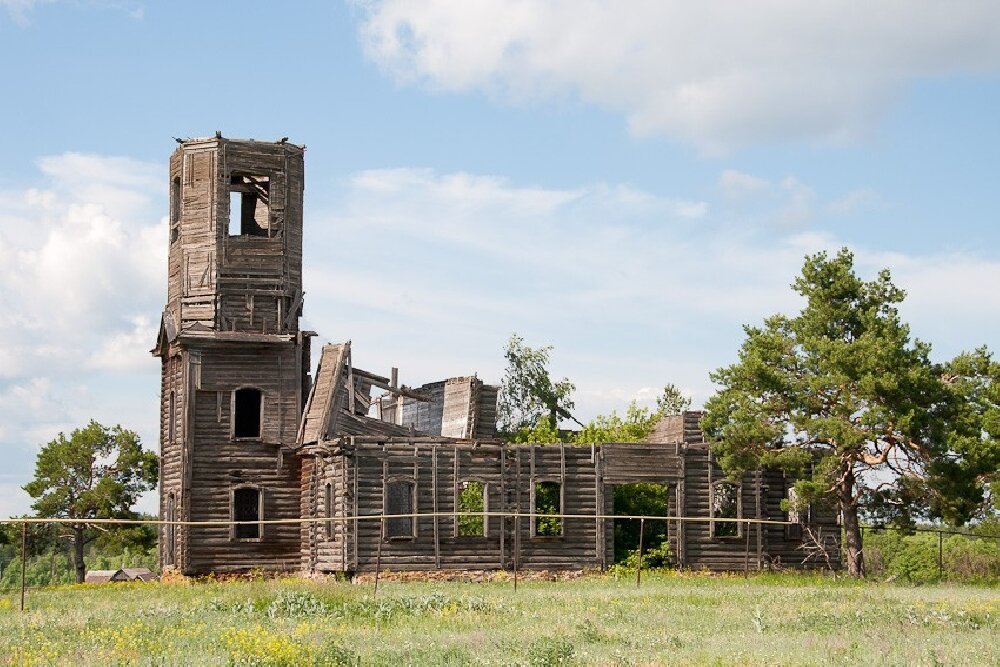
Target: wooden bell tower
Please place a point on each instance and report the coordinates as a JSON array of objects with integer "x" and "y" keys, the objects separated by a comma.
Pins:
[{"x": 234, "y": 363}]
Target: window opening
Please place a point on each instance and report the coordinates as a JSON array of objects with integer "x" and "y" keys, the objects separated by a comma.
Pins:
[
  {"x": 171, "y": 418},
  {"x": 175, "y": 209},
  {"x": 472, "y": 498},
  {"x": 548, "y": 501},
  {"x": 799, "y": 513},
  {"x": 246, "y": 413},
  {"x": 399, "y": 499},
  {"x": 246, "y": 507},
  {"x": 725, "y": 505},
  {"x": 642, "y": 499},
  {"x": 328, "y": 510},
  {"x": 249, "y": 205}
]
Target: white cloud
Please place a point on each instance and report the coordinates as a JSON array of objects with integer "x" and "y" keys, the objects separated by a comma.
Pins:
[
  {"x": 736, "y": 184},
  {"x": 82, "y": 266},
  {"x": 719, "y": 74},
  {"x": 631, "y": 293},
  {"x": 20, "y": 10},
  {"x": 855, "y": 201}
]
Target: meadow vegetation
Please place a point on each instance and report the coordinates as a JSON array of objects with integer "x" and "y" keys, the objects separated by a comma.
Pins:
[{"x": 676, "y": 618}]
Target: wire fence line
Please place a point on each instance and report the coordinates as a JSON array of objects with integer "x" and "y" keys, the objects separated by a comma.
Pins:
[
  {"x": 26, "y": 522},
  {"x": 380, "y": 517}
]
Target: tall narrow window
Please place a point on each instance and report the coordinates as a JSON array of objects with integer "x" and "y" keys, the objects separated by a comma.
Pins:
[
  {"x": 547, "y": 503},
  {"x": 725, "y": 504},
  {"x": 400, "y": 499},
  {"x": 328, "y": 509},
  {"x": 246, "y": 413},
  {"x": 247, "y": 510},
  {"x": 175, "y": 209},
  {"x": 171, "y": 417},
  {"x": 472, "y": 497},
  {"x": 168, "y": 530}
]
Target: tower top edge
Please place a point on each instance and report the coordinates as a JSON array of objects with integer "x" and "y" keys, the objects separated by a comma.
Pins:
[{"x": 219, "y": 140}]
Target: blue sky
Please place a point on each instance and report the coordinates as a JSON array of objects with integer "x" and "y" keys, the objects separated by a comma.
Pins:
[{"x": 629, "y": 187}]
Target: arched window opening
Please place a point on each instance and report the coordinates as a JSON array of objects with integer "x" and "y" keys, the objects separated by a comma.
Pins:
[
  {"x": 725, "y": 504},
  {"x": 246, "y": 413},
  {"x": 472, "y": 497},
  {"x": 248, "y": 510},
  {"x": 400, "y": 498}
]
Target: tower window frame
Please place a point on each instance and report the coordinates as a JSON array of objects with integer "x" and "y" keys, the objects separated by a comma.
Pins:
[
  {"x": 250, "y": 205},
  {"x": 172, "y": 417},
  {"x": 242, "y": 413},
  {"x": 246, "y": 504}
]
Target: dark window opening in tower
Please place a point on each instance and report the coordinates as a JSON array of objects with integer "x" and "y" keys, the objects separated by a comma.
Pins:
[
  {"x": 249, "y": 205},
  {"x": 175, "y": 209},
  {"x": 246, "y": 413},
  {"x": 246, "y": 507}
]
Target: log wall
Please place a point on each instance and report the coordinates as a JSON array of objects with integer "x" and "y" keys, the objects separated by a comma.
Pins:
[
  {"x": 358, "y": 474},
  {"x": 234, "y": 298}
]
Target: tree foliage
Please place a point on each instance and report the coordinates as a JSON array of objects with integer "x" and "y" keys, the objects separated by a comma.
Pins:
[
  {"x": 841, "y": 394},
  {"x": 95, "y": 473},
  {"x": 527, "y": 391}
]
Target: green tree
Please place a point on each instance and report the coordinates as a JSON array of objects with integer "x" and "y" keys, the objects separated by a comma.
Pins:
[
  {"x": 96, "y": 473},
  {"x": 838, "y": 392},
  {"x": 961, "y": 482},
  {"x": 672, "y": 402},
  {"x": 527, "y": 393}
]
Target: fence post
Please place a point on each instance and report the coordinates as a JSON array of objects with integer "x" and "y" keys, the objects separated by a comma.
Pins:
[
  {"x": 940, "y": 554},
  {"x": 517, "y": 545},
  {"x": 378, "y": 556},
  {"x": 24, "y": 558},
  {"x": 638, "y": 562},
  {"x": 746, "y": 552}
]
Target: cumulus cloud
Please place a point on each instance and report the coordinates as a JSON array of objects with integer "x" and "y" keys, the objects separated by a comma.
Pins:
[
  {"x": 719, "y": 74},
  {"x": 736, "y": 184},
  {"x": 82, "y": 266},
  {"x": 20, "y": 10},
  {"x": 632, "y": 293}
]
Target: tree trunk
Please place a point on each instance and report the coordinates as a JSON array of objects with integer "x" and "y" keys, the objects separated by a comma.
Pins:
[
  {"x": 81, "y": 568},
  {"x": 852, "y": 527}
]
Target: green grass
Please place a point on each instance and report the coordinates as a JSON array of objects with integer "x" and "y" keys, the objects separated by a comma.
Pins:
[{"x": 672, "y": 619}]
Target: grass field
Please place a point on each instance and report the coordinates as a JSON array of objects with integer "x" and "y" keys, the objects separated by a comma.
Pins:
[{"x": 673, "y": 619}]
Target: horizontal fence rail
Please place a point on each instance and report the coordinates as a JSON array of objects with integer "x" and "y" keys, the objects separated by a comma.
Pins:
[{"x": 25, "y": 522}]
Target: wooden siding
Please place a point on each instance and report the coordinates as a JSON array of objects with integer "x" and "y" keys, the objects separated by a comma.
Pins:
[
  {"x": 231, "y": 322},
  {"x": 358, "y": 473}
]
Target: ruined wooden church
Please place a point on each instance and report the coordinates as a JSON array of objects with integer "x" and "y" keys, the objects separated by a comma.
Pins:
[{"x": 248, "y": 435}]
